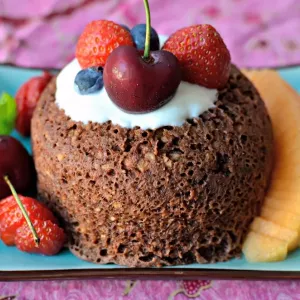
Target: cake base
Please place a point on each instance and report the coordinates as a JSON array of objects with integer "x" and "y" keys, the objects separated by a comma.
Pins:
[{"x": 171, "y": 196}]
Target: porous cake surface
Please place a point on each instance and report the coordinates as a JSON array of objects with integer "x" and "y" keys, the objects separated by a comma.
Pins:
[{"x": 171, "y": 196}]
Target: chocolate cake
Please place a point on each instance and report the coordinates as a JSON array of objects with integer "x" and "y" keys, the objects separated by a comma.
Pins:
[{"x": 171, "y": 196}]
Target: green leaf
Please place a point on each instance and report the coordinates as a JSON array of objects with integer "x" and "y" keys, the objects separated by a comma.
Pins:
[{"x": 8, "y": 113}]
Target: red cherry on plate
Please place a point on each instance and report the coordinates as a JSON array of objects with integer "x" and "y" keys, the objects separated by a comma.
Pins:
[
  {"x": 16, "y": 163},
  {"x": 139, "y": 85}
]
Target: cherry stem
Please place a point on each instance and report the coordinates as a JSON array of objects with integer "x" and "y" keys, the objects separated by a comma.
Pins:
[
  {"x": 148, "y": 30},
  {"x": 23, "y": 210}
]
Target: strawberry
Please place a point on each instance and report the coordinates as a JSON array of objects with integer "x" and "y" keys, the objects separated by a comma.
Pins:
[
  {"x": 27, "y": 98},
  {"x": 11, "y": 217},
  {"x": 202, "y": 54},
  {"x": 52, "y": 238},
  {"x": 5, "y": 205},
  {"x": 98, "y": 40}
]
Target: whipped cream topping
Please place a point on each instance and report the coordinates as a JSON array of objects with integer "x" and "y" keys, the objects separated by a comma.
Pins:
[{"x": 190, "y": 101}]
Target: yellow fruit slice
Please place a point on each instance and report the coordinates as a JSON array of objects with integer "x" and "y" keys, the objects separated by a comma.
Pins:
[
  {"x": 281, "y": 191},
  {"x": 262, "y": 226},
  {"x": 289, "y": 205},
  {"x": 282, "y": 218},
  {"x": 283, "y": 104},
  {"x": 286, "y": 173},
  {"x": 287, "y": 165},
  {"x": 286, "y": 195},
  {"x": 261, "y": 248},
  {"x": 281, "y": 100},
  {"x": 284, "y": 184}
]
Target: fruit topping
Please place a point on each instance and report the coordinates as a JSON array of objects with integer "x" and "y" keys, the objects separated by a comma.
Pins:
[
  {"x": 27, "y": 98},
  {"x": 98, "y": 40},
  {"x": 11, "y": 217},
  {"x": 29, "y": 225},
  {"x": 89, "y": 80},
  {"x": 139, "y": 84},
  {"x": 147, "y": 86},
  {"x": 202, "y": 54},
  {"x": 8, "y": 113},
  {"x": 138, "y": 34},
  {"x": 52, "y": 238},
  {"x": 17, "y": 164}
]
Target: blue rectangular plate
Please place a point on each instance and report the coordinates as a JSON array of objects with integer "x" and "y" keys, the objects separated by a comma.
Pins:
[{"x": 15, "y": 265}]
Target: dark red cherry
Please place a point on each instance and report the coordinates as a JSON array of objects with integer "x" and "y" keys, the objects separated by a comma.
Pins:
[
  {"x": 17, "y": 164},
  {"x": 139, "y": 85}
]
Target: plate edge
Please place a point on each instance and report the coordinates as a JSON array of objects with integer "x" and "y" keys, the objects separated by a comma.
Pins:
[{"x": 154, "y": 274}]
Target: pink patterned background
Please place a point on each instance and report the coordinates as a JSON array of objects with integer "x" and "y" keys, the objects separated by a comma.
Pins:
[
  {"x": 152, "y": 290},
  {"x": 43, "y": 33}
]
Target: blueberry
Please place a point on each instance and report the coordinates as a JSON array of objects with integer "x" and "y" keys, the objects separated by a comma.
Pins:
[
  {"x": 125, "y": 27},
  {"x": 89, "y": 80},
  {"x": 138, "y": 34}
]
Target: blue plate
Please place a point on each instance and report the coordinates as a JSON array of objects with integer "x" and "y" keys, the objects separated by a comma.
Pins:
[{"x": 15, "y": 264}]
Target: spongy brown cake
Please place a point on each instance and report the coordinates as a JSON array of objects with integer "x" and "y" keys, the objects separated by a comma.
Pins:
[{"x": 170, "y": 196}]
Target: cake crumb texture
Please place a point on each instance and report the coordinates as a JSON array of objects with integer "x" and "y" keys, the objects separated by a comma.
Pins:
[{"x": 171, "y": 196}]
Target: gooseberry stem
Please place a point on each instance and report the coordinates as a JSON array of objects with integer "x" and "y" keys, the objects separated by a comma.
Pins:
[
  {"x": 148, "y": 30},
  {"x": 23, "y": 210}
]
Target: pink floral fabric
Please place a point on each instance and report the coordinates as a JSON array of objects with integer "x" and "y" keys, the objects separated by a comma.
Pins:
[
  {"x": 151, "y": 290},
  {"x": 44, "y": 33}
]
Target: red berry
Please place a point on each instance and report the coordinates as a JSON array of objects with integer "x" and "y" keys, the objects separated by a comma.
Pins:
[
  {"x": 202, "y": 54},
  {"x": 52, "y": 238},
  {"x": 27, "y": 98},
  {"x": 147, "y": 85},
  {"x": 98, "y": 40},
  {"x": 11, "y": 217},
  {"x": 5, "y": 205}
]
